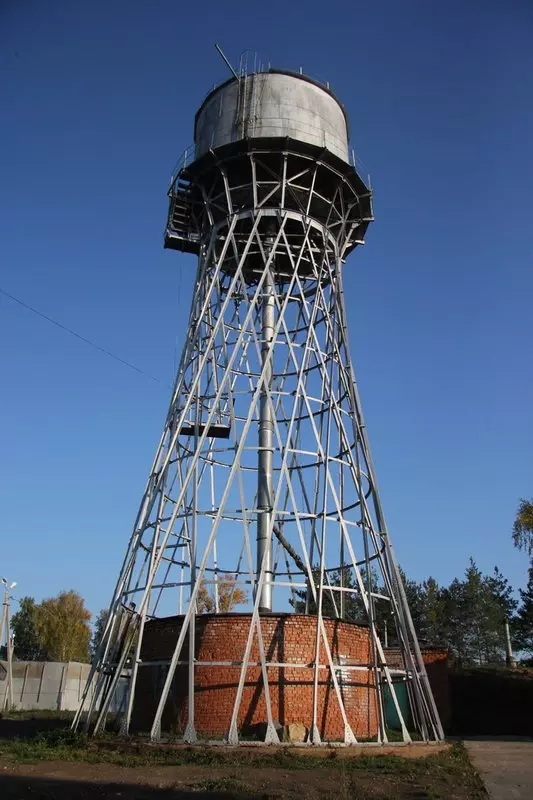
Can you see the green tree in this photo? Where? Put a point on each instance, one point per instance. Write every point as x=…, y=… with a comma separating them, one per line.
x=417, y=595
x=523, y=622
x=331, y=600
x=416, y=600
x=455, y=620
x=98, y=630
x=474, y=611
x=468, y=616
x=62, y=624
x=500, y=606
x=426, y=604
x=27, y=646
x=523, y=527
x=434, y=612
x=474, y=608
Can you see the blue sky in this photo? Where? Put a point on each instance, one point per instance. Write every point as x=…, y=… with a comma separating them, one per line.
x=97, y=102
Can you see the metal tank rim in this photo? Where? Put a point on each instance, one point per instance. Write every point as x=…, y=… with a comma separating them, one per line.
x=272, y=71
x=199, y=170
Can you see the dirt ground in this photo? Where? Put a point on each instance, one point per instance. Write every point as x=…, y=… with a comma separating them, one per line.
x=41, y=760
x=60, y=780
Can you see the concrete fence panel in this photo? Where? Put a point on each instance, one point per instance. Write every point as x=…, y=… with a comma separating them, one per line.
x=48, y=685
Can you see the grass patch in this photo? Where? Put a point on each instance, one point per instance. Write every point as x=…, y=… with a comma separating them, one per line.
x=231, y=771
x=38, y=714
x=47, y=737
x=226, y=783
x=64, y=744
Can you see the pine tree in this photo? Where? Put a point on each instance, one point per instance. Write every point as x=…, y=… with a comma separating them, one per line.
x=416, y=600
x=523, y=623
x=473, y=615
x=98, y=630
x=500, y=606
x=434, y=612
x=331, y=600
x=455, y=620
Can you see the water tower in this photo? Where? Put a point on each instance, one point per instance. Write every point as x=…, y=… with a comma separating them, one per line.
x=262, y=489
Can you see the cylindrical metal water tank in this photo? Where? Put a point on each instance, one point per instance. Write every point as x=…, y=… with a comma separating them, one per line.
x=272, y=104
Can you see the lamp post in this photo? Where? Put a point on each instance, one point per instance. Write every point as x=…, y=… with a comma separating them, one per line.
x=8, y=698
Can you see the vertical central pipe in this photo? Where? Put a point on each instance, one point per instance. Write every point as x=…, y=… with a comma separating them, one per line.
x=266, y=439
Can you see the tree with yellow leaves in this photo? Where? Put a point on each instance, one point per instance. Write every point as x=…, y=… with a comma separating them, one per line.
x=229, y=596
x=62, y=625
x=523, y=528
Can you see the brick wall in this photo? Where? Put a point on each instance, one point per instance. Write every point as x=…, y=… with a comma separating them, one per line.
x=436, y=662
x=288, y=638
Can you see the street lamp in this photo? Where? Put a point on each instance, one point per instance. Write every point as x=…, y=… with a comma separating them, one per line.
x=8, y=697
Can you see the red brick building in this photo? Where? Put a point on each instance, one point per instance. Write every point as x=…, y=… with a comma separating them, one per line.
x=289, y=642
x=436, y=663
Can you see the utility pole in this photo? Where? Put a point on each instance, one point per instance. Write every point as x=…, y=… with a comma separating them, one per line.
x=510, y=659
x=8, y=697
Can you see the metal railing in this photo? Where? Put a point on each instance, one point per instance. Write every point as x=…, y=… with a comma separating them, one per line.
x=261, y=67
x=189, y=154
x=186, y=158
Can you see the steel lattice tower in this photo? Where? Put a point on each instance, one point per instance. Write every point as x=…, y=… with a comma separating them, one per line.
x=263, y=474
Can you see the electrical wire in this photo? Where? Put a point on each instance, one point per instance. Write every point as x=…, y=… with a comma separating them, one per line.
x=79, y=336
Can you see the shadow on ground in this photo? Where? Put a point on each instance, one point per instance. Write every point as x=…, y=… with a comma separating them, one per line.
x=14, y=787
x=30, y=727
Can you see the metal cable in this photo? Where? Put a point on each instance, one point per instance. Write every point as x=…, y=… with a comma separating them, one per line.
x=79, y=336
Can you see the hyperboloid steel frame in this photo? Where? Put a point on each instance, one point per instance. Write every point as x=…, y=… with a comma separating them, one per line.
x=264, y=439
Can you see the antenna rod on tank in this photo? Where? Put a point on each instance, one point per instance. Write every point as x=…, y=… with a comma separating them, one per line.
x=221, y=54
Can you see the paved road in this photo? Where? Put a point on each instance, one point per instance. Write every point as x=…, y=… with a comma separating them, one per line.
x=506, y=767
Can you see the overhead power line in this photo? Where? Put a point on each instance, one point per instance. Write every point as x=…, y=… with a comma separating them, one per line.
x=79, y=336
